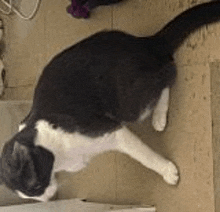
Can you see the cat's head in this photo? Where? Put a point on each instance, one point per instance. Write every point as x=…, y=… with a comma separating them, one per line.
x=27, y=170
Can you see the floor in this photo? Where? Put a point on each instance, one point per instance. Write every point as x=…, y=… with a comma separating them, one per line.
x=187, y=140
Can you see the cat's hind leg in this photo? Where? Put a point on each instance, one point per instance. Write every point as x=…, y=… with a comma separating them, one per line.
x=130, y=144
x=159, y=118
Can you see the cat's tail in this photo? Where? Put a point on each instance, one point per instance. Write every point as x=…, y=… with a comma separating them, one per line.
x=187, y=22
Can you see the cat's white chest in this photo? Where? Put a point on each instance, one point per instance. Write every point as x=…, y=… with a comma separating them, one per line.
x=72, y=150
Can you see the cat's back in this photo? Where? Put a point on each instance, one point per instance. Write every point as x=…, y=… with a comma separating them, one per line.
x=105, y=46
x=89, y=70
x=97, y=80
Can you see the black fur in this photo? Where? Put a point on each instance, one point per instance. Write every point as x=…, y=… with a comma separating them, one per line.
x=96, y=86
x=102, y=82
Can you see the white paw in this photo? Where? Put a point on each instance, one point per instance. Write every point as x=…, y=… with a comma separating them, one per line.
x=170, y=174
x=159, y=120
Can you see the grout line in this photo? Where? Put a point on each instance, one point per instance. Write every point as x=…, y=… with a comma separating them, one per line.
x=112, y=16
x=191, y=64
x=19, y=86
x=214, y=133
x=116, y=178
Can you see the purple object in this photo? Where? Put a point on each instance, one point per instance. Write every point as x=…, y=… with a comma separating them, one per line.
x=78, y=11
x=82, y=8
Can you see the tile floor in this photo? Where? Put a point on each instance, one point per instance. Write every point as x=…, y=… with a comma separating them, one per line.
x=187, y=140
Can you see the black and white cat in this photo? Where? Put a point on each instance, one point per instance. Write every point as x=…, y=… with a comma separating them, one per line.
x=85, y=97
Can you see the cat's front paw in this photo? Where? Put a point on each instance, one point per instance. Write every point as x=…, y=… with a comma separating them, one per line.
x=159, y=120
x=170, y=174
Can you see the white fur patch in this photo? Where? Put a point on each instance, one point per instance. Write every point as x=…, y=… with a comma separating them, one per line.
x=160, y=112
x=72, y=150
x=21, y=127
